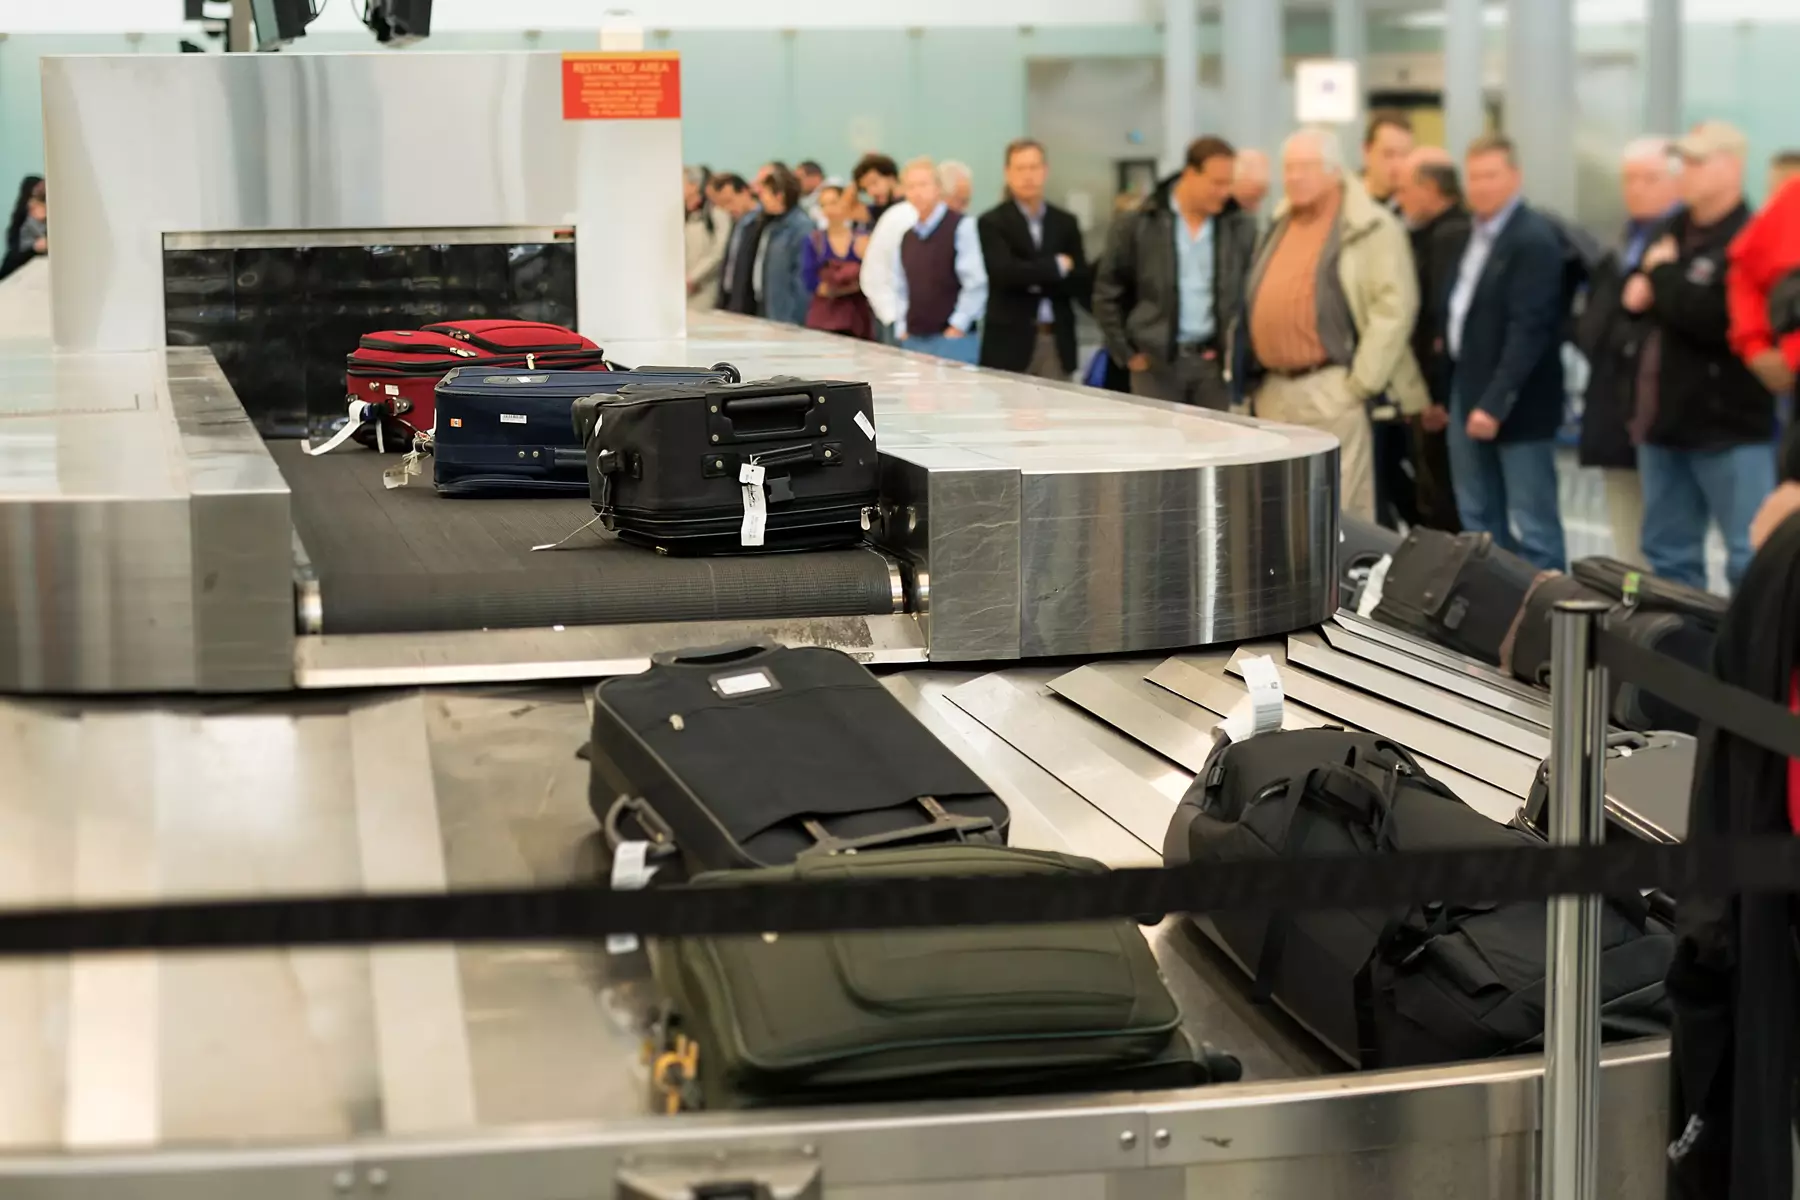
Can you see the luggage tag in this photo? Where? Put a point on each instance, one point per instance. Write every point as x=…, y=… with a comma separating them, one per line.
x=631, y=872
x=410, y=466
x=359, y=413
x=756, y=511
x=1260, y=710
x=1370, y=599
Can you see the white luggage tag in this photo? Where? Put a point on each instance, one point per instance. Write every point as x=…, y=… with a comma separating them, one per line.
x=411, y=464
x=631, y=872
x=1371, y=591
x=360, y=414
x=1260, y=711
x=756, y=510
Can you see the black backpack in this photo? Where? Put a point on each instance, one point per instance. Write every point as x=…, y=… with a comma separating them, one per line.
x=1397, y=987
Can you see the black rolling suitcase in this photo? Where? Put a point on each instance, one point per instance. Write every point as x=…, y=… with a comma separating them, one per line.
x=510, y=431
x=776, y=464
x=753, y=755
x=1458, y=590
x=1393, y=987
x=1649, y=777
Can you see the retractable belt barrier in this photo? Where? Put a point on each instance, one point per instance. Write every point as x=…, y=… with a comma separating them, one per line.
x=1714, y=868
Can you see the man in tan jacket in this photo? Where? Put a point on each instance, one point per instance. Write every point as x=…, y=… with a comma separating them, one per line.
x=1326, y=330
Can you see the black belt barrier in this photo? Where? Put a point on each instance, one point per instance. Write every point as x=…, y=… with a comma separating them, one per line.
x=1718, y=868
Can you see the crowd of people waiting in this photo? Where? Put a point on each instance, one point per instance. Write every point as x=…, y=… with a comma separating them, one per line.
x=1419, y=311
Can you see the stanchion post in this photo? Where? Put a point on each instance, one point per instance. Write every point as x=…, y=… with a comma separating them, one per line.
x=1569, y=1162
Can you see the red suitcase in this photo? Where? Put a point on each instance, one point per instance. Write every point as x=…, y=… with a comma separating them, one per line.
x=389, y=379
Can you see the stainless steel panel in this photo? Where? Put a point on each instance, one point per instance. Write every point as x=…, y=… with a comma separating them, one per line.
x=242, y=574
x=299, y=141
x=1309, y=652
x=1508, y=770
x=1117, y=694
x=297, y=239
x=142, y=543
x=1044, y=812
x=1478, y=672
x=1534, y=710
x=574, y=651
x=1120, y=779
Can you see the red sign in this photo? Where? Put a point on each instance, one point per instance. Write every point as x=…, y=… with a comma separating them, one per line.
x=634, y=86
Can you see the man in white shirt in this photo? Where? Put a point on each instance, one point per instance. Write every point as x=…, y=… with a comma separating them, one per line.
x=881, y=261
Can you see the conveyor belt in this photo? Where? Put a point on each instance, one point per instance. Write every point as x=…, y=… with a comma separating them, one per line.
x=407, y=560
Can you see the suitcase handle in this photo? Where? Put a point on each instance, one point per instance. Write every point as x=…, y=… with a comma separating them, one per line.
x=729, y=652
x=942, y=822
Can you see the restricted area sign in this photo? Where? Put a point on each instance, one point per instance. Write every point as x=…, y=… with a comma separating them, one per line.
x=633, y=86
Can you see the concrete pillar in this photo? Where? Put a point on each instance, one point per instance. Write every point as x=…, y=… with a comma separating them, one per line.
x=1256, y=113
x=1181, y=78
x=1540, y=98
x=1465, y=100
x=1350, y=40
x=1662, y=67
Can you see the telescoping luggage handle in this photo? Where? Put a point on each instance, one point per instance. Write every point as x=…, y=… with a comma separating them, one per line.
x=770, y=408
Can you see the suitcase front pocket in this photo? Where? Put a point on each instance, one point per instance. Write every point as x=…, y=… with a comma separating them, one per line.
x=1082, y=971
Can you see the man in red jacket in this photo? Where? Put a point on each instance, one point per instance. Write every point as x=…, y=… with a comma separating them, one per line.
x=1767, y=249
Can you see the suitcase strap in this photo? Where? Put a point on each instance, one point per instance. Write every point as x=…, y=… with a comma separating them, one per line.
x=942, y=822
x=1370, y=782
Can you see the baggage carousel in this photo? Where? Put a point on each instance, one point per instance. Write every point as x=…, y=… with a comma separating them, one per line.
x=229, y=671
x=476, y=1070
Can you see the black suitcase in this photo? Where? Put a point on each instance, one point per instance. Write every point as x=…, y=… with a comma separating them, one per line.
x=1648, y=780
x=1458, y=590
x=752, y=755
x=1361, y=544
x=1393, y=988
x=776, y=464
x=509, y=432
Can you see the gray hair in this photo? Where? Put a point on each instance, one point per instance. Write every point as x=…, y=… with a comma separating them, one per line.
x=1249, y=160
x=694, y=175
x=1331, y=150
x=1652, y=149
x=950, y=173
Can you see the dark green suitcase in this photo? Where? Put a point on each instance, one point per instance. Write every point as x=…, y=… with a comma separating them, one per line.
x=918, y=1014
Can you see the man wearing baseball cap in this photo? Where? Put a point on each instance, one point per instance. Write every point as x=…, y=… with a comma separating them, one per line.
x=1702, y=420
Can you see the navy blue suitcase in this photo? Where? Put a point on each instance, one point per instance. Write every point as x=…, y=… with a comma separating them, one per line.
x=509, y=432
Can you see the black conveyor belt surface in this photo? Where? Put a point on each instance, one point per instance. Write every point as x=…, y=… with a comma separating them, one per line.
x=407, y=560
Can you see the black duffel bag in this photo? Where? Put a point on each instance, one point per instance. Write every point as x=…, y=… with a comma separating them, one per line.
x=1457, y=590
x=1394, y=987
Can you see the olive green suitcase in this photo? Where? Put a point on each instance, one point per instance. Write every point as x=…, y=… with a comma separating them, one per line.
x=917, y=1014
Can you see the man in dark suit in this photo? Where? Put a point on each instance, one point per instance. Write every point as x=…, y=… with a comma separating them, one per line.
x=737, y=277
x=1504, y=322
x=1037, y=271
x=1431, y=200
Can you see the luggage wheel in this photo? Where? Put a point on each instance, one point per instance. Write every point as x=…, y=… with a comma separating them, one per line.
x=656, y=832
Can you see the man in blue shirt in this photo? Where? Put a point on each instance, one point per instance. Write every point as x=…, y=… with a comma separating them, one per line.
x=1171, y=282
x=941, y=283
x=1504, y=334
